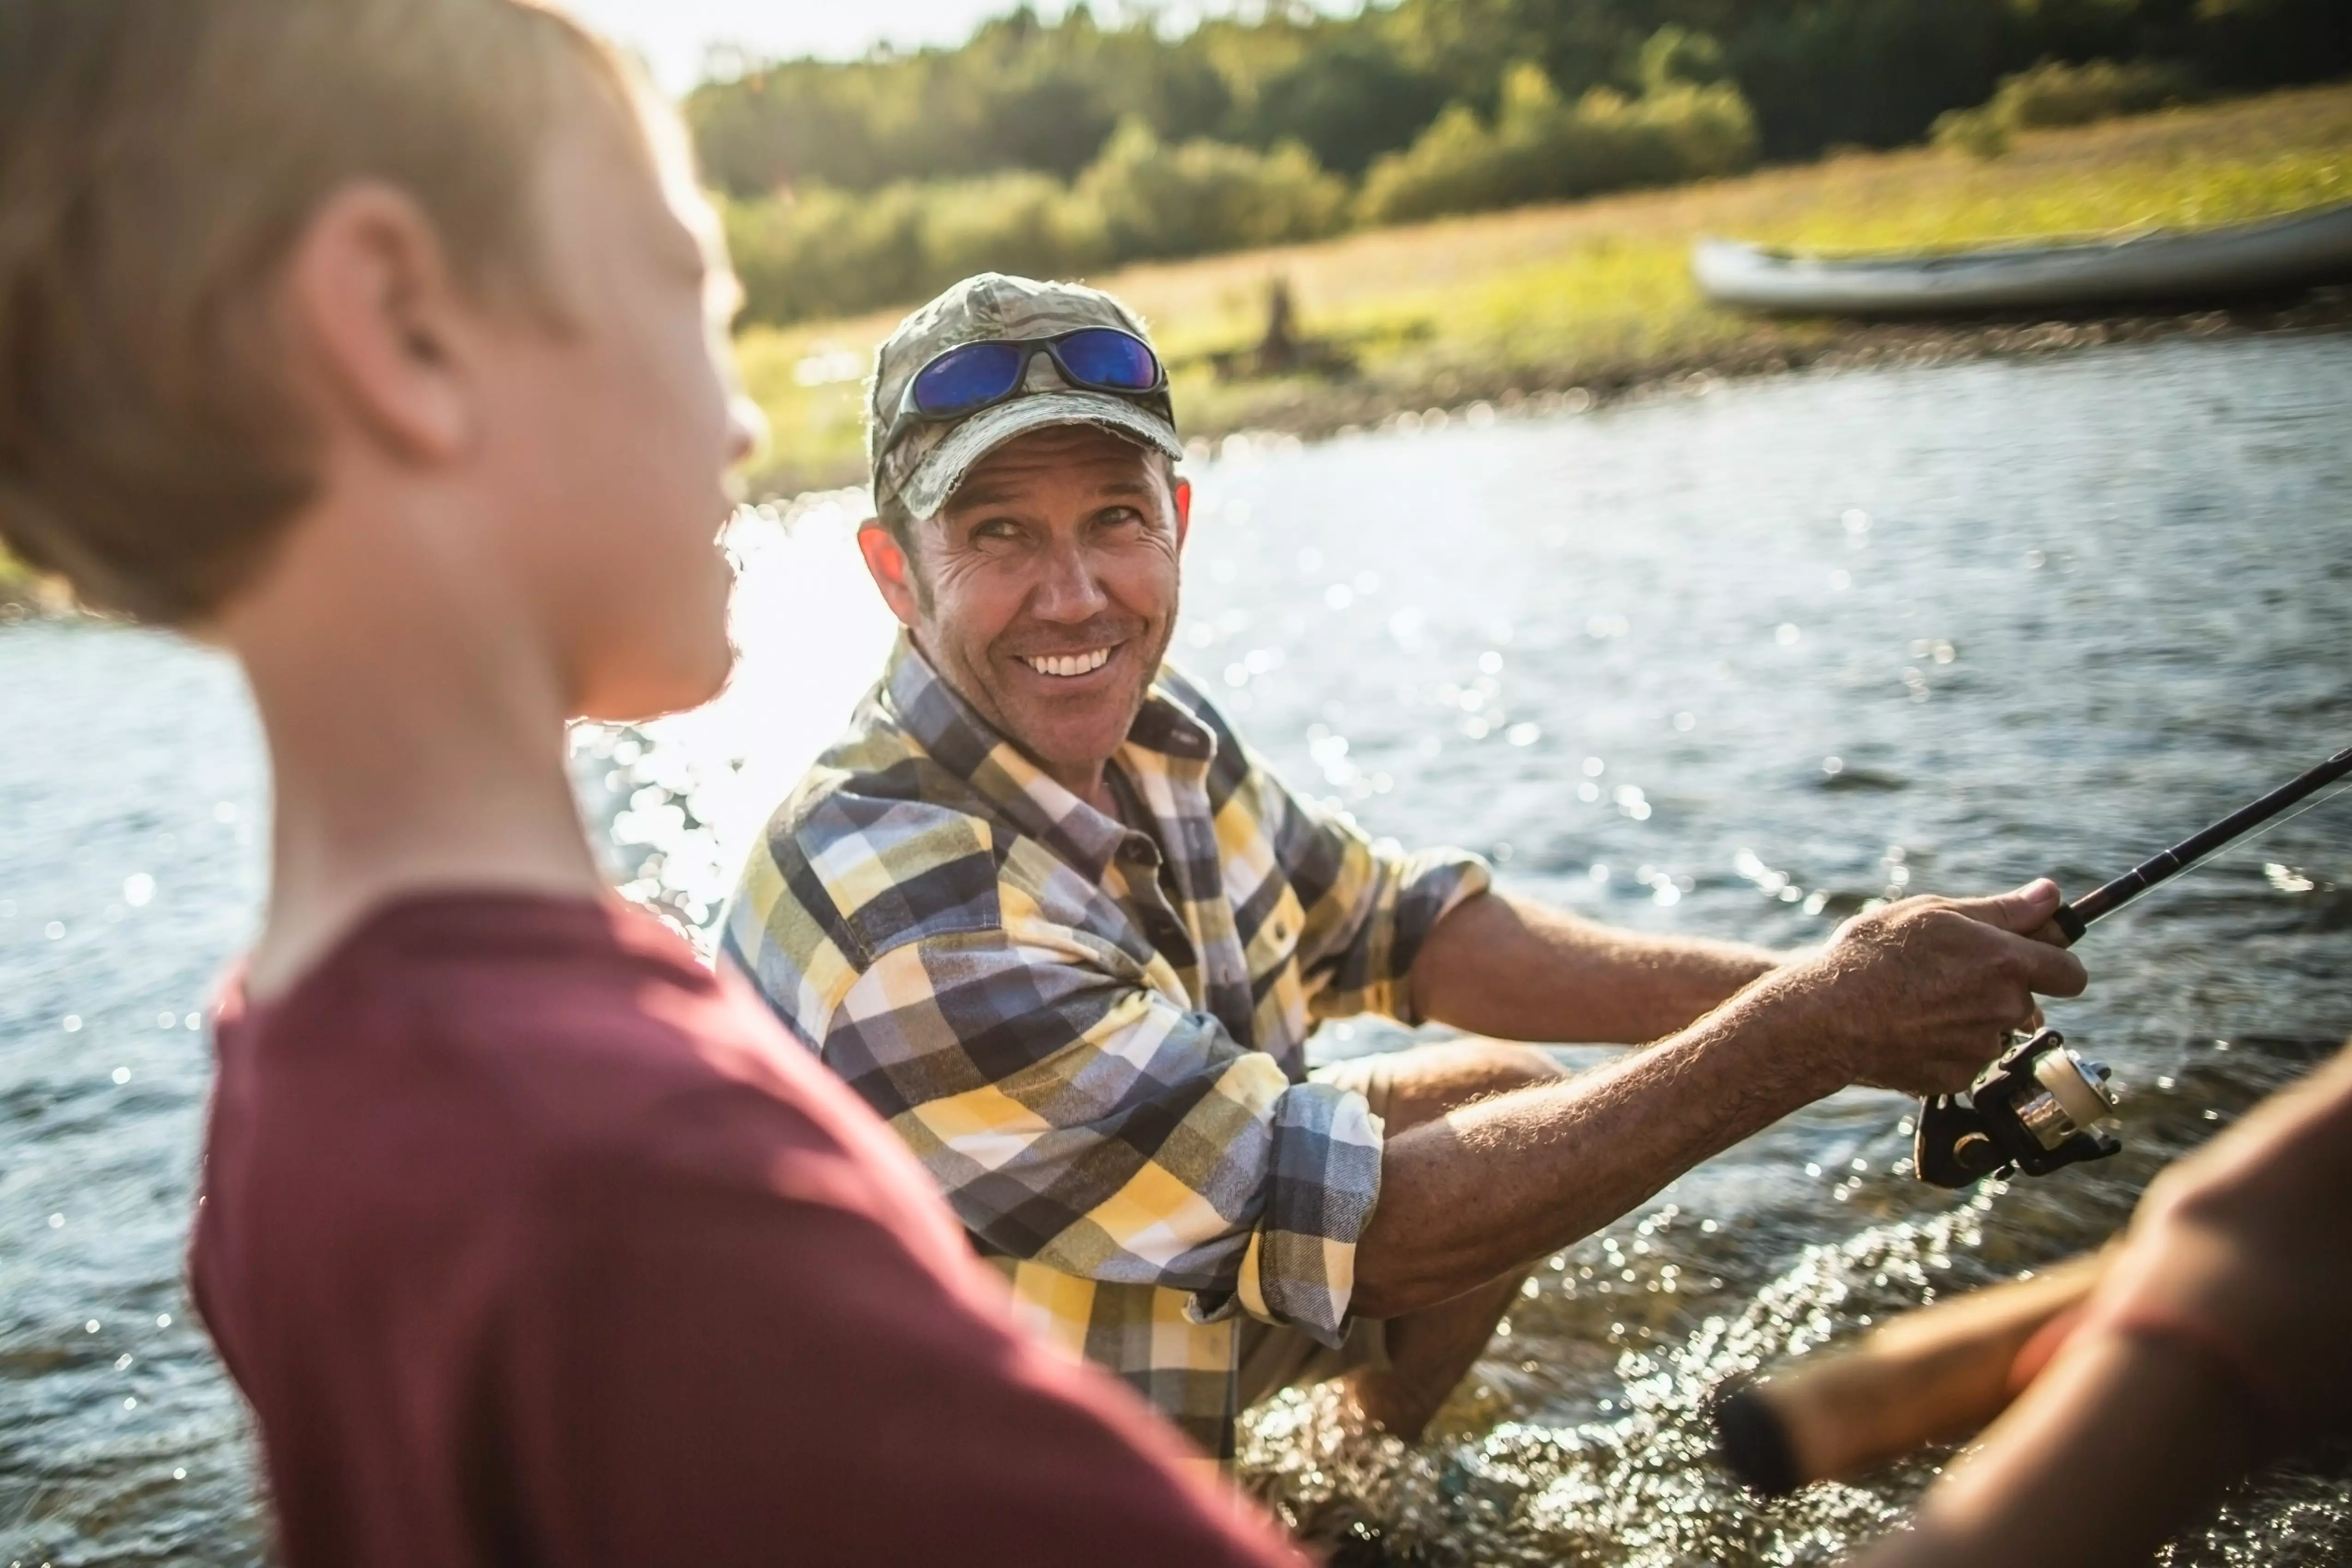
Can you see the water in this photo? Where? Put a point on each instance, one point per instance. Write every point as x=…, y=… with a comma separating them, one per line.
x=2043, y=617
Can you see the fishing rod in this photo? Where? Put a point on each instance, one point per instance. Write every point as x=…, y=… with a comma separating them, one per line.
x=2038, y=1108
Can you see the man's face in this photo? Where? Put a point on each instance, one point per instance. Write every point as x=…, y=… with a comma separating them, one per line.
x=1047, y=589
x=615, y=435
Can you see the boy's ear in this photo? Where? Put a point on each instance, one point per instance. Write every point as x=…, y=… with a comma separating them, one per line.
x=887, y=562
x=377, y=312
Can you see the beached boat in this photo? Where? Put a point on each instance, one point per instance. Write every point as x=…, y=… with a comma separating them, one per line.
x=2154, y=266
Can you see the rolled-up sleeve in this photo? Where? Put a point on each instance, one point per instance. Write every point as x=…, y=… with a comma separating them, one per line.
x=1075, y=1116
x=1366, y=908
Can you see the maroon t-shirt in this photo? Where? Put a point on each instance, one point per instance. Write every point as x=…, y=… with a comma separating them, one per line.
x=533, y=1241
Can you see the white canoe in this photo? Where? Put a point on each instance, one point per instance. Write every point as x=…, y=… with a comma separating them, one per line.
x=2156, y=266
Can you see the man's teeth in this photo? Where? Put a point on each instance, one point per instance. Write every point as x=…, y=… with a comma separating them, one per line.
x=1069, y=663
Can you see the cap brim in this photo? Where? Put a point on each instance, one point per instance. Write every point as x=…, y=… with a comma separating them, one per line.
x=935, y=479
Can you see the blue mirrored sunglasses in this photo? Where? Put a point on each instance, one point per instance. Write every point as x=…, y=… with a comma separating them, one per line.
x=972, y=377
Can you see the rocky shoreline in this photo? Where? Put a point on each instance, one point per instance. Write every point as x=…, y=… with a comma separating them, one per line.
x=1341, y=408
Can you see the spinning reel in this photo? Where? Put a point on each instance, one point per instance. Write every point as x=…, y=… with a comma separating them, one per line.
x=2036, y=1109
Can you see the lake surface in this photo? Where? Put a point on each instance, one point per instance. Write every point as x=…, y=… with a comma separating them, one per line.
x=1731, y=662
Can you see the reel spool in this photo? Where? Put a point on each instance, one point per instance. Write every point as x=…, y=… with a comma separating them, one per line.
x=2036, y=1109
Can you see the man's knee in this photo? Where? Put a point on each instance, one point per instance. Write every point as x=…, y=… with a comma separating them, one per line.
x=1503, y=1066
x=1430, y=1080
x=1422, y=1083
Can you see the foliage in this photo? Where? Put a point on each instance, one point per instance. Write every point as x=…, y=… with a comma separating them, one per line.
x=1979, y=133
x=2056, y=93
x=827, y=251
x=1161, y=201
x=1542, y=148
x=1830, y=73
x=1021, y=94
x=1346, y=100
x=1072, y=144
x=1024, y=93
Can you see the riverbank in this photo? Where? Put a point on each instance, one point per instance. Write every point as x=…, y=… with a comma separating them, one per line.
x=20, y=594
x=1593, y=299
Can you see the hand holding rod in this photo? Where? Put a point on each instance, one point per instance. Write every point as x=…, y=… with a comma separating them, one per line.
x=2037, y=1109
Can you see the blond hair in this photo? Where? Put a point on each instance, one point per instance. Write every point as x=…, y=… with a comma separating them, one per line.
x=158, y=160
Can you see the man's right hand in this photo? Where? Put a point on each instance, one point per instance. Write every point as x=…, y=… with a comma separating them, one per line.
x=1917, y=997
x=1921, y=994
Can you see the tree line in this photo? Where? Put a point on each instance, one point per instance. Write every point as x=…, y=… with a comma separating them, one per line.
x=1074, y=144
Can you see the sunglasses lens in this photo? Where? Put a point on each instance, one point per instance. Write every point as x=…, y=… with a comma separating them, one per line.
x=1111, y=360
x=967, y=377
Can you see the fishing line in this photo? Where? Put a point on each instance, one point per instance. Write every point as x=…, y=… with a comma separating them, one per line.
x=2246, y=823
x=2215, y=853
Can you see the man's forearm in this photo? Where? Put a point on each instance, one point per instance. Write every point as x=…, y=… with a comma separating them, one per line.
x=1514, y=969
x=1481, y=1189
x=1916, y=996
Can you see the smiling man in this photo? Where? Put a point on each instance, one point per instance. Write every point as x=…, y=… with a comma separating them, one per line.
x=1046, y=914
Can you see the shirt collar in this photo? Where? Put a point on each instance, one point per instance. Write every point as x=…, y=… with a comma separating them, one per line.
x=935, y=716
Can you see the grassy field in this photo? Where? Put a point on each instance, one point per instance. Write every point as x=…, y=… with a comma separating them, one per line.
x=1598, y=294
x=16, y=591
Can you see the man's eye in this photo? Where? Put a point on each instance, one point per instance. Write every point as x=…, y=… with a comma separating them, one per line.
x=995, y=531
x=1118, y=517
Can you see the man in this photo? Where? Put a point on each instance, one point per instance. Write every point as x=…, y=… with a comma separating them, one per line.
x=1047, y=914
x=372, y=342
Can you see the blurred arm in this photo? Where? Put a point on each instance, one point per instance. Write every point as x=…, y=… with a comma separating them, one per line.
x=2215, y=1338
x=2123, y=1440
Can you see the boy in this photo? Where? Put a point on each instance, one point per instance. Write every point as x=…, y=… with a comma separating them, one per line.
x=372, y=340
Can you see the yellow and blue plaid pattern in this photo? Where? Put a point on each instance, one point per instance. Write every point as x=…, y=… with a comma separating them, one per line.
x=1097, y=1048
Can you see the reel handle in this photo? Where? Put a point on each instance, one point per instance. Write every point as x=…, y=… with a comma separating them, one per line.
x=2036, y=1109
x=1953, y=1146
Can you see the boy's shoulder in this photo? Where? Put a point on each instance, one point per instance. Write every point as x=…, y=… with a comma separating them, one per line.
x=508, y=1072
x=539, y=1036
x=475, y=1106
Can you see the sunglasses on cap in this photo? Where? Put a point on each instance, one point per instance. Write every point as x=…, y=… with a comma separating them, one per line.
x=970, y=377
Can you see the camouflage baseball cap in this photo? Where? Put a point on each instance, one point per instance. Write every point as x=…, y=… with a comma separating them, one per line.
x=922, y=468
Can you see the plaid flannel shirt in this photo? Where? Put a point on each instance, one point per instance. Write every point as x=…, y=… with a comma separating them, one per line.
x=1101, y=1058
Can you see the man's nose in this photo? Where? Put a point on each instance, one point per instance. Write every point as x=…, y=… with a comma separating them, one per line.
x=1069, y=590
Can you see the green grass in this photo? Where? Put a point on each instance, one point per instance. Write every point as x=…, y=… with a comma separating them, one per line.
x=16, y=583
x=1598, y=293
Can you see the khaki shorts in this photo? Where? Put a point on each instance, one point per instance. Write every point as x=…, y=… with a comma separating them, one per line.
x=1276, y=1357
